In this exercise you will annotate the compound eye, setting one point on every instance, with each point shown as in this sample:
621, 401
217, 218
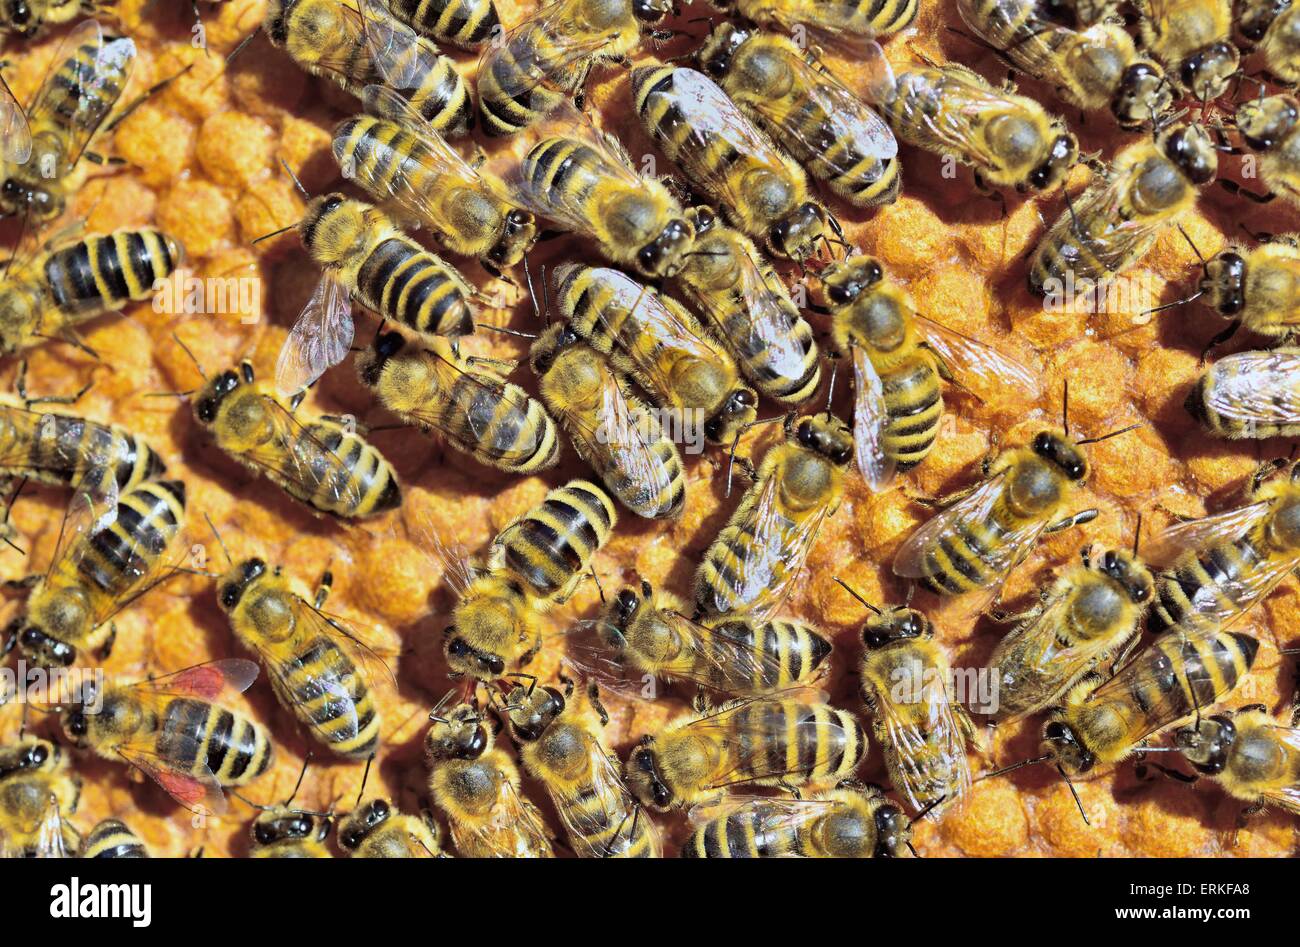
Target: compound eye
264, 834
1042, 443
37, 755
805, 434
378, 812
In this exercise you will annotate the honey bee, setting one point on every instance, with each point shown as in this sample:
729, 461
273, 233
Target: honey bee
585, 182
1252, 756
37, 789
1218, 567
171, 729
49, 293
1249, 395
853, 820
113, 838
657, 341
476, 785
1009, 140
752, 565
280, 831
1272, 27
1257, 288
27, 19
547, 57
465, 400
320, 669
1150, 185
1091, 68
564, 752
798, 102
1193, 40
1163, 684
377, 830
648, 633
750, 310
906, 685
759, 189
786, 741
1268, 126
321, 463
535, 562
409, 162
464, 23
1087, 616
364, 256
853, 17
110, 553
898, 358
610, 426
365, 46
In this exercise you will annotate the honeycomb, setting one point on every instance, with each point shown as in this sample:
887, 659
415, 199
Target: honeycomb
202, 161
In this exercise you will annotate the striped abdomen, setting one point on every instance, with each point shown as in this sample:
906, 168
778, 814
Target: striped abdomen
503, 426
611, 824
793, 742
101, 273
406, 283
914, 400
860, 178
522, 80
200, 737
119, 555
63, 450
555, 542
752, 831
556, 167
89, 82
965, 558
784, 653
869, 17
112, 838
339, 473
312, 686
1249, 395
1211, 580
466, 23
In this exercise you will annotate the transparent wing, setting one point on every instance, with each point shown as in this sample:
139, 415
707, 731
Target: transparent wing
319, 340
401, 57
15, 132
1256, 387
48, 842
754, 760
771, 814
594, 660
295, 454
924, 737
1193, 535
604, 800
966, 102
1098, 223
515, 829
979, 367
372, 659
211, 681
1286, 797
92, 509
544, 50
197, 791
870, 418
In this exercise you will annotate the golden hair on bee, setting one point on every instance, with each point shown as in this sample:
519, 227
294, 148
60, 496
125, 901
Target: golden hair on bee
1270, 127
38, 791
1193, 39
1273, 30
280, 831
113, 838
379, 829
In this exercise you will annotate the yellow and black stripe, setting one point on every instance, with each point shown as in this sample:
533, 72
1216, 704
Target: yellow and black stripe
101, 273
556, 541
1210, 577
341, 473
465, 23
64, 450
112, 838
199, 737
311, 684
406, 283
1228, 379
784, 654
796, 742
88, 84
914, 400
148, 518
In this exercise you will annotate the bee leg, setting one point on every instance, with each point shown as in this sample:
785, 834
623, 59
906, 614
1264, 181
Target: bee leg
1185, 778
107, 649
1244, 817
1232, 187
593, 695
580, 97
567, 683
1264, 471
71, 338
297, 400
26, 583
792, 790
20, 385
532, 651
1083, 516
323, 589
1219, 339
1124, 653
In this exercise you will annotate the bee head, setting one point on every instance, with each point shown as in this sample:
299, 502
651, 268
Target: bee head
460, 735
24, 198
1206, 72
1284, 524
625, 606
18, 18
207, 404
796, 234
643, 778
1224, 283
39, 648
1060, 159
1065, 747
276, 20
896, 624
1129, 573
531, 713
893, 831
1254, 19
371, 362
464, 658
331, 226
518, 234
360, 824
1190, 149
31, 755
716, 54
662, 256
236, 582
844, 282
1143, 94
737, 410
826, 435
651, 12
1059, 450
283, 825
1206, 745
1265, 122
547, 347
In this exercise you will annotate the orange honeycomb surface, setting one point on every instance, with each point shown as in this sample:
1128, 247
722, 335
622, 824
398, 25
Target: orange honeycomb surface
203, 163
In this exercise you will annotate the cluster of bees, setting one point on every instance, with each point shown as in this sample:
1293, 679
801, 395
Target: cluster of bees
693, 315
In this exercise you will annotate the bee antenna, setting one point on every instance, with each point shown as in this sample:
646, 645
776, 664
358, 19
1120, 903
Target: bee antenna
249, 802
306, 761
1195, 249
852, 591
912, 848
220, 542
186, 349
1015, 766
830, 389
925, 812
532, 292
442, 702
272, 234
1137, 535
240, 48
1106, 437
364, 779
1065, 407
1075, 793
505, 330
1176, 303
296, 183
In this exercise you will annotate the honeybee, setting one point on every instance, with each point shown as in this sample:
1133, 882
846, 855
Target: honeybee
584, 181
657, 341
1087, 616
320, 669
1090, 68
51, 292
365, 46
364, 256
28, 18
280, 831
465, 400
547, 58
110, 554
611, 427
752, 565
898, 359
1252, 756
113, 838
476, 785
853, 17
563, 751
1257, 288
409, 162
780, 740
465, 23
759, 189
321, 463
37, 789
1009, 140
1272, 27
1149, 185
647, 632
750, 310
1193, 40
1219, 566
171, 729
920, 726
377, 830
1163, 684
1249, 395
1268, 126
853, 820
535, 562
798, 102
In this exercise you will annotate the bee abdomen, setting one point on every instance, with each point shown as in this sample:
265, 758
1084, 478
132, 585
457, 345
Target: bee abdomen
1205, 578
404, 282
316, 678
785, 653
518, 441
111, 838
914, 400
505, 114
461, 22
106, 272
556, 541
148, 518
742, 834
202, 737
342, 474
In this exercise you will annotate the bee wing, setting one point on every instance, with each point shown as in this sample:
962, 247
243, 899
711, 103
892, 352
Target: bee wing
724, 654
957, 123
48, 841
93, 508
15, 132
776, 544
457, 569
596, 662
319, 340
770, 814
1122, 235
210, 681
1227, 527
282, 456
515, 830
870, 417
1256, 387
753, 760
369, 656
199, 792
543, 49
400, 55
979, 367
605, 799
919, 739
1286, 797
